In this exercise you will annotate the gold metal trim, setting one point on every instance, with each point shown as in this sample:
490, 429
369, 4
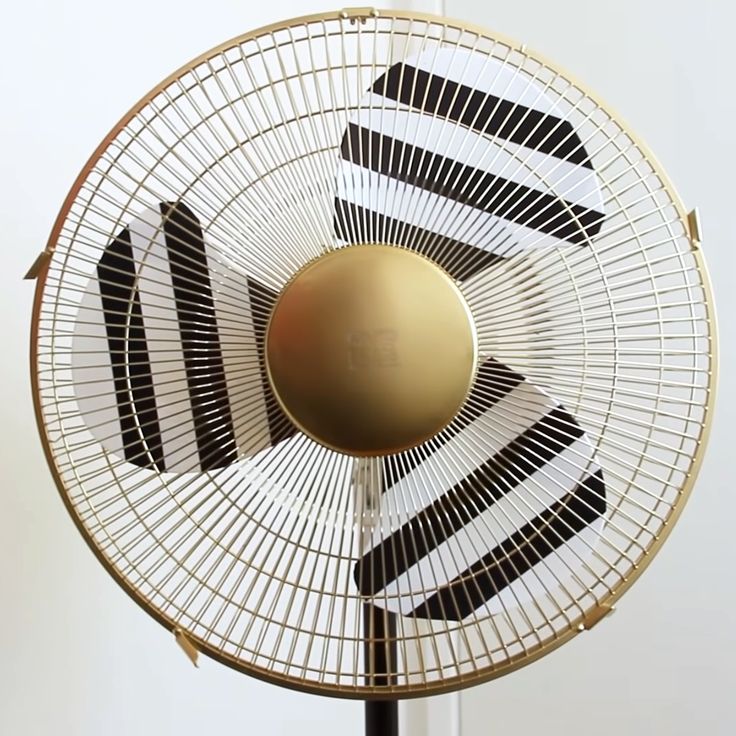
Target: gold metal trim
40, 263
594, 617
451, 683
693, 223
187, 646
361, 14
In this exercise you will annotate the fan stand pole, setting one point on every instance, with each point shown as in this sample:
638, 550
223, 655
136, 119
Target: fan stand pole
379, 630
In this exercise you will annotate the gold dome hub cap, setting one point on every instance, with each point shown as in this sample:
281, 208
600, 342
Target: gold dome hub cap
371, 349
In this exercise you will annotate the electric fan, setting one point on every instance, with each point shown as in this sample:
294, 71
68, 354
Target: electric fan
372, 356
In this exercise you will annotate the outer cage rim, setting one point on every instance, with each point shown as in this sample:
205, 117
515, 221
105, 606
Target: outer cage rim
579, 624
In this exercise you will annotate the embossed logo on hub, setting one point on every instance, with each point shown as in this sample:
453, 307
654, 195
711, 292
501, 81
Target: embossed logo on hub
372, 349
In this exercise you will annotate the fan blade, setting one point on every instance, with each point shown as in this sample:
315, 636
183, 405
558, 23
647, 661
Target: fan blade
459, 259
527, 486
452, 154
169, 367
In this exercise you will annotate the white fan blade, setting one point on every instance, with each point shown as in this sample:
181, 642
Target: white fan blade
455, 155
518, 511
169, 368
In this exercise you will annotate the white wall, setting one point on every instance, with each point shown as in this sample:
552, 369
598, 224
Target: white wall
78, 658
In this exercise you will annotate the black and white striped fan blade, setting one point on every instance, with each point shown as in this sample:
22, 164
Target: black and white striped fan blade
528, 486
455, 155
169, 368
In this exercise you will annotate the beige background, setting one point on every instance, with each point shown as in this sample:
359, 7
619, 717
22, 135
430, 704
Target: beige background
78, 658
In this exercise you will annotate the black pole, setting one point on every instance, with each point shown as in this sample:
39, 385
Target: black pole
382, 718
379, 630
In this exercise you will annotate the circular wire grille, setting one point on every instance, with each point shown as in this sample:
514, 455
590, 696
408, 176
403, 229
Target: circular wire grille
449, 563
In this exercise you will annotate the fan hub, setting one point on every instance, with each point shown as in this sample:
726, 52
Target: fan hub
371, 349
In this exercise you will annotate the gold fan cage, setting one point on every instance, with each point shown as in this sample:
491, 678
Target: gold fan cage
258, 575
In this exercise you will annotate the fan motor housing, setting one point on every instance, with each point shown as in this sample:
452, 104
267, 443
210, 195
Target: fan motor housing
371, 349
